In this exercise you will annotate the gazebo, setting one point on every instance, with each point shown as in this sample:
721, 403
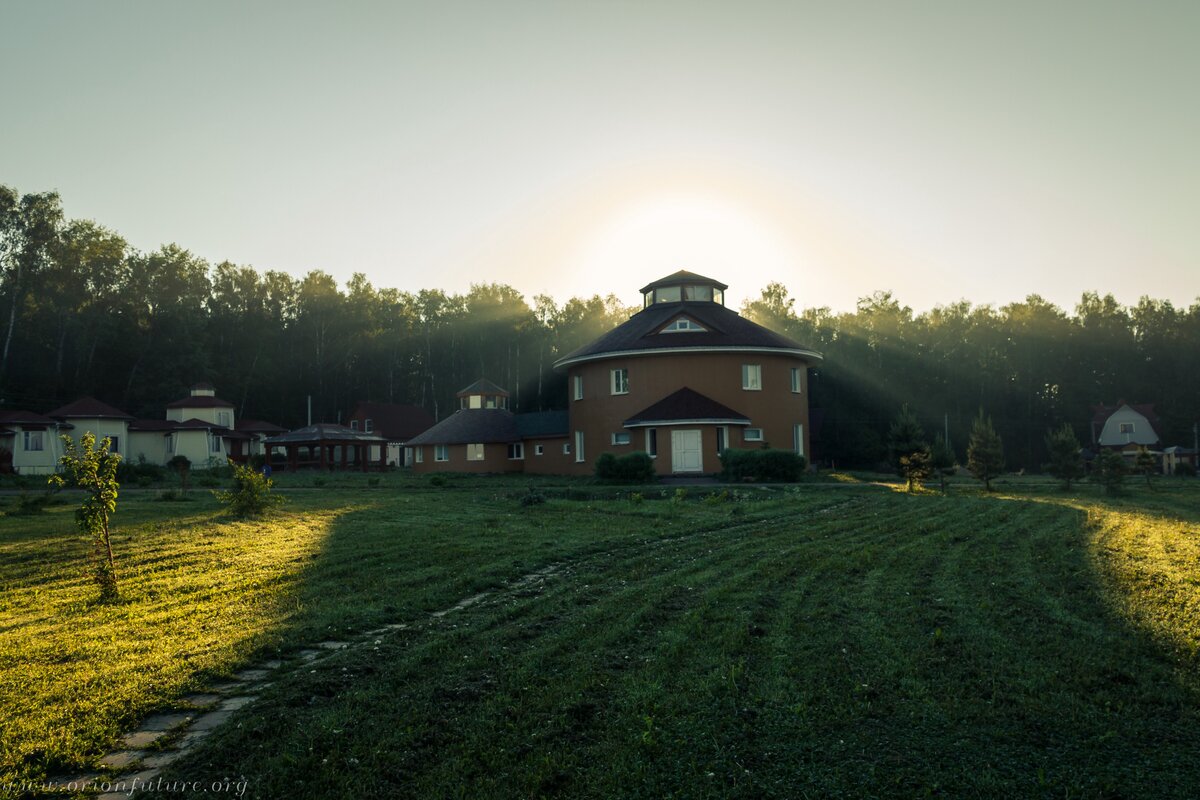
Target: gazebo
327, 446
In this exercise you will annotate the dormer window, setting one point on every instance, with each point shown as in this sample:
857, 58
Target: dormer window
684, 325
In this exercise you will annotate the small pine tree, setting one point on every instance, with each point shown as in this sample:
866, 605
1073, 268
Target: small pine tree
94, 469
905, 437
1147, 465
941, 460
1110, 471
985, 451
915, 469
1065, 463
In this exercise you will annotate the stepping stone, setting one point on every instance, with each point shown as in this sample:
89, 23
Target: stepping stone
140, 739
162, 759
228, 687
308, 655
211, 720
192, 738
201, 699
122, 759
396, 626
333, 645
234, 703
166, 722
274, 663
251, 674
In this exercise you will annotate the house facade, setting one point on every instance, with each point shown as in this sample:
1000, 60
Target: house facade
395, 422
683, 380
29, 443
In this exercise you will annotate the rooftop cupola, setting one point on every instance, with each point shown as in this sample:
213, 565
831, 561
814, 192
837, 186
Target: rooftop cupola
203, 390
683, 287
483, 394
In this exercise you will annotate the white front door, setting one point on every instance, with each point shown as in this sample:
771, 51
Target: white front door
685, 452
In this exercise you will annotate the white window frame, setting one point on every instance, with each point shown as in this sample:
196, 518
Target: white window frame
618, 380
214, 445
169, 442
418, 455
579, 447
752, 377
539, 449
567, 449
476, 451
798, 438
577, 380
684, 325
616, 438
223, 419
441, 452
519, 449
114, 445
652, 442
353, 424
1125, 427
797, 381
746, 437
37, 438
368, 425
722, 439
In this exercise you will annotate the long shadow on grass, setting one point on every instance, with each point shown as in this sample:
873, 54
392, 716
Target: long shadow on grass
870, 645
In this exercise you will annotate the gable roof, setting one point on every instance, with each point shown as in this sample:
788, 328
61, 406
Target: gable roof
686, 405
1110, 434
726, 330
482, 386
24, 418
323, 432
88, 408
397, 422
472, 426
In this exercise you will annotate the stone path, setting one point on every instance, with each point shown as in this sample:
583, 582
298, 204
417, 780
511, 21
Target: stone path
135, 764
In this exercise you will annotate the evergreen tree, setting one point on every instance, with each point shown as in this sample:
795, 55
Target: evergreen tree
941, 460
908, 448
1110, 471
985, 452
1147, 465
1065, 463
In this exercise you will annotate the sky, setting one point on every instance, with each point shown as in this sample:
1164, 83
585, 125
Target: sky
939, 150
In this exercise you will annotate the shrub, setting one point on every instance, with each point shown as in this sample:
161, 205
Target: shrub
29, 505
636, 498
182, 467
251, 494
1110, 471
633, 468
437, 480
372, 482
1065, 463
532, 498
762, 465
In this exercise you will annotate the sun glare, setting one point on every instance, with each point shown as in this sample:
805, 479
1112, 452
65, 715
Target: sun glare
651, 237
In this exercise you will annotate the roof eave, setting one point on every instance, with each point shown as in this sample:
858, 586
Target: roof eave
811, 355
657, 423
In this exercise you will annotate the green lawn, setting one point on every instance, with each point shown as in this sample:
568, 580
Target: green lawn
823, 641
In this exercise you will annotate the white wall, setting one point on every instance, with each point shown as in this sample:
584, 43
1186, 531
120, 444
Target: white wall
1142, 432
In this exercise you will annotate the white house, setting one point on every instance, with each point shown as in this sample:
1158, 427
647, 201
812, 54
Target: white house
89, 414
29, 443
1125, 426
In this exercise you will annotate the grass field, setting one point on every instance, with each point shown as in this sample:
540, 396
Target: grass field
848, 641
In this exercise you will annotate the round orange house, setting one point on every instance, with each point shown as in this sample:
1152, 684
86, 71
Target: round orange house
684, 379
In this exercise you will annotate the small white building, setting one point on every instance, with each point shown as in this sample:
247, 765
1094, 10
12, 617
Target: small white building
89, 414
29, 443
1127, 426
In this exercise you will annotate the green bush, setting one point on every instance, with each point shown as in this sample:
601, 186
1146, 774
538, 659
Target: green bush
762, 465
29, 505
437, 480
633, 468
141, 473
251, 493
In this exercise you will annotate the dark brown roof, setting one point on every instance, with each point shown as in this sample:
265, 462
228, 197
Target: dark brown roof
472, 426
687, 405
24, 418
725, 330
200, 401
683, 277
88, 408
323, 432
394, 421
483, 386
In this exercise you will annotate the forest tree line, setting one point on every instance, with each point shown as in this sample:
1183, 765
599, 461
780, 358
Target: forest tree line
82, 312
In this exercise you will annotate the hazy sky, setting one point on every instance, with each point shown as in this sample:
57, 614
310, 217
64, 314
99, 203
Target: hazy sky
941, 150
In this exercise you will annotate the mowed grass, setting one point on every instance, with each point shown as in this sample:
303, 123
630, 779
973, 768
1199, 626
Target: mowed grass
820, 642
